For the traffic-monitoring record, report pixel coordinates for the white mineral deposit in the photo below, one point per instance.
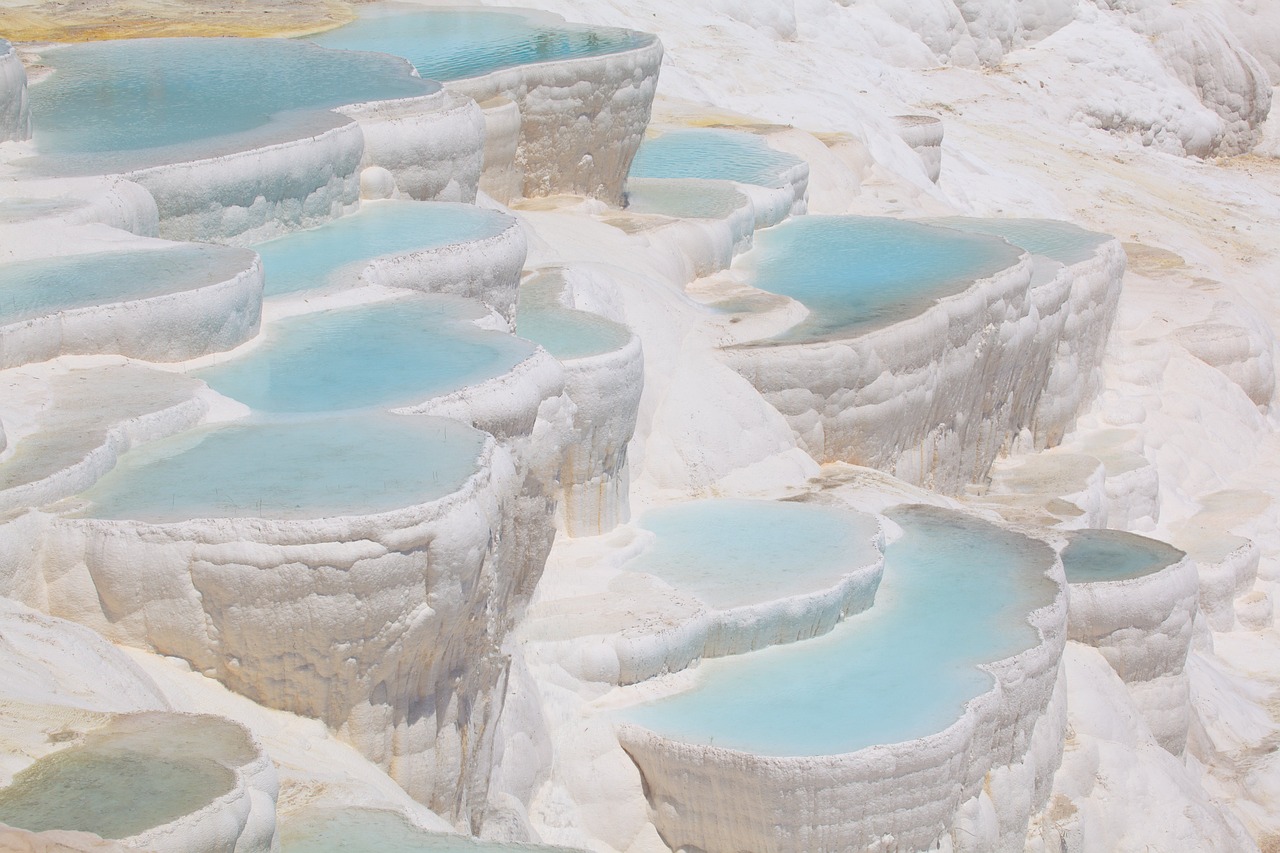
(738, 425)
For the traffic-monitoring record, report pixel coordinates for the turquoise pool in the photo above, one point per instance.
(450, 44)
(956, 592)
(350, 465)
(304, 260)
(111, 106)
(386, 354)
(566, 333)
(1060, 241)
(722, 155)
(685, 199)
(45, 286)
(859, 273)
(731, 553)
(1113, 555)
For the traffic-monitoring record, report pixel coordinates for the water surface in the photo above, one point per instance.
(712, 154)
(350, 465)
(135, 773)
(303, 260)
(731, 553)
(956, 593)
(859, 273)
(451, 44)
(1113, 555)
(119, 105)
(1060, 241)
(387, 354)
(566, 333)
(44, 286)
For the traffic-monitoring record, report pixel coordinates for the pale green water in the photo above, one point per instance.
(384, 354)
(723, 155)
(357, 830)
(685, 199)
(956, 593)
(48, 285)
(349, 465)
(858, 273)
(1060, 241)
(118, 105)
(309, 259)
(566, 333)
(135, 773)
(1113, 555)
(450, 44)
(731, 553)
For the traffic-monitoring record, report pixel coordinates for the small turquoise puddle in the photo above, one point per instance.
(732, 553)
(351, 465)
(451, 44)
(303, 260)
(859, 273)
(366, 830)
(119, 105)
(135, 773)
(45, 286)
(1092, 556)
(956, 593)
(566, 333)
(386, 354)
(683, 199)
(722, 155)
(1056, 240)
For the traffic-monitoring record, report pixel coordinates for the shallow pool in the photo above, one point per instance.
(386, 354)
(349, 465)
(303, 260)
(859, 273)
(732, 553)
(44, 286)
(956, 592)
(450, 44)
(365, 830)
(1060, 241)
(566, 333)
(116, 105)
(1113, 555)
(135, 773)
(685, 199)
(713, 154)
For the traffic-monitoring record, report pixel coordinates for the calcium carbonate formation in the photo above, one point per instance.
(431, 450)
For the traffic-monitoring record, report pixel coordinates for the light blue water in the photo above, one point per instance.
(450, 44)
(134, 774)
(858, 273)
(956, 592)
(349, 465)
(566, 333)
(722, 155)
(369, 830)
(685, 199)
(116, 105)
(48, 285)
(1061, 241)
(731, 553)
(308, 259)
(386, 354)
(1113, 555)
